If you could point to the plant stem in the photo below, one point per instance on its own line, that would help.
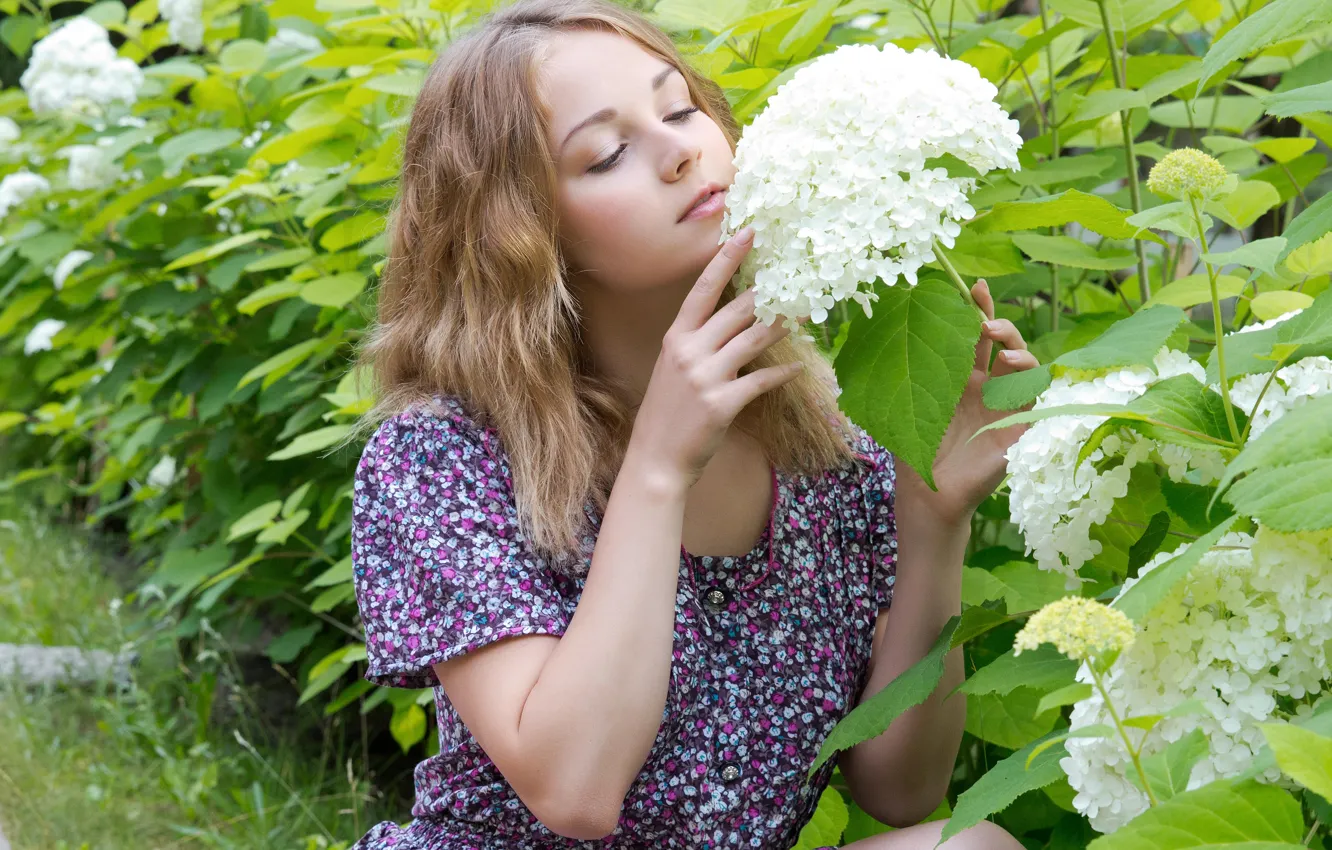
(957, 281)
(1144, 285)
(1052, 120)
(1271, 376)
(1216, 324)
(1114, 715)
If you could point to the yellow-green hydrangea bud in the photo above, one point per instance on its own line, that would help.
(1187, 172)
(1080, 629)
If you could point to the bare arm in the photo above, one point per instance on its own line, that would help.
(569, 721)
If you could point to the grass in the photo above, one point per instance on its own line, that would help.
(181, 758)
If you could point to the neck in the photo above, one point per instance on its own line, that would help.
(623, 330)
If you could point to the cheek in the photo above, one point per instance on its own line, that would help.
(603, 226)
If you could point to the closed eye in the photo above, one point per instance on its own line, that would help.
(609, 162)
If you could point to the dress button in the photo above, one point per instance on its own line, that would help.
(730, 772)
(715, 597)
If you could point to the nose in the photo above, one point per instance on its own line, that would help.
(682, 154)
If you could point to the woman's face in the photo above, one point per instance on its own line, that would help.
(627, 176)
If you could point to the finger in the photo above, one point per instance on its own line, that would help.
(1013, 360)
(701, 301)
(1005, 333)
(730, 320)
(747, 344)
(746, 388)
(980, 291)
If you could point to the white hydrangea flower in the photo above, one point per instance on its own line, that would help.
(1249, 630)
(90, 167)
(1055, 507)
(294, 39)
(9, 131)
(76, 68)
(162, 473)
(832, 176)
(18, 187)
(68, 264)
(39, 338)
(184, 19)
(1294, 384)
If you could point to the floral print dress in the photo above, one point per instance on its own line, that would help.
(771, 648)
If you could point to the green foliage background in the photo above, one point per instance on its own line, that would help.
(234, 273)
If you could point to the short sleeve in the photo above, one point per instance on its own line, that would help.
(439, 564)
(879, 489)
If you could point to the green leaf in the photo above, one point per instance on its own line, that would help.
(1299, 101)
(1192, 290)
(279, 531)
(217, 249)
(281, 363)
(1258, 254)
(873, 716)
(285, 648)
(1016, 389)
(1310, 224)
(408, 725)
(1147, 545)
(1312, 258)
(902, 372)
(1270, 24)
(1243, 206)
(998, 787)
(312, 441)
(1182, 403)
(1067, 251)
(352, 231)
(1168, 771)
(1065, 169)
(176, 149)
(985, 255)
(1066, 695)
(271, 294)
(1011, 720)
(1235, 113)
(1022, 586)
(1101, 103)
(1270, 305)
(830, 819)
(339, 573)
(1173, 217)
(1303, 755)
(1284, 150)
(1042, 669)
(1133, 341)
(976, 622)
(242, 56)
(1246, 353)
(1244, 816)
(334, 290)
(1286, 471)
(1138, 601)
(257, 519)
(279, 260)
(1091, 211)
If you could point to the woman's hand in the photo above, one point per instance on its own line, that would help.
(967, 472)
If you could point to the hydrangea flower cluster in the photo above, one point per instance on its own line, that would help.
(1056, 502)
(184, 19)
(18, 187)
(832, 174)
(1248, 635)
(90, 167)
(1187, 172)
(1080, 628)
(1293, 385)
(75, 68)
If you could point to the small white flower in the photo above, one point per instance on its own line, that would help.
(76, 68)
(39, 338)
(90, 167)
(19, 187)
(163, 473)
(832, 176)
(184, 19)
(294, 39)
(9, 131)
(68, 264)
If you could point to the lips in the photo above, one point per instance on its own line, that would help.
(703, 195)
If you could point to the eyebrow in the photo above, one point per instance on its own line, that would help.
(608, 113)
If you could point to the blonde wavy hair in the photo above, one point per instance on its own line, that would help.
(474, 299)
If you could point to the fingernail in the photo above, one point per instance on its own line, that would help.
(1009, 356)
(990, 326)
(746, 233)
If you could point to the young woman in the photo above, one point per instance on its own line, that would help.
(645, 562)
